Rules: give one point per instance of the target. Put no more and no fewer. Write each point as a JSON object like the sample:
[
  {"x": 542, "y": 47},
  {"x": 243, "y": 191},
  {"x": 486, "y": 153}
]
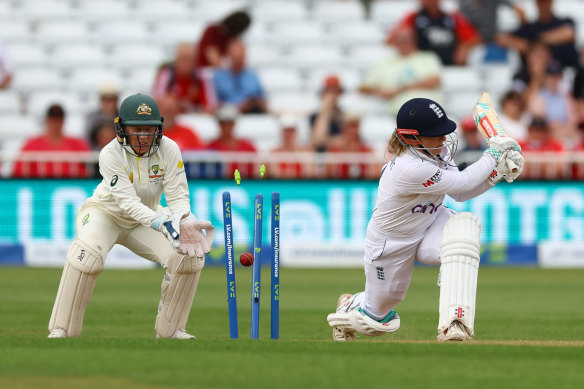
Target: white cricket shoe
[
  {"x": 343, "y": 334},
  {"x": 351, "y": 318},
  {"x": 455, "y": 332},
  {"x": 57, "y": 333},
  {"x": 179, "y": 334}
]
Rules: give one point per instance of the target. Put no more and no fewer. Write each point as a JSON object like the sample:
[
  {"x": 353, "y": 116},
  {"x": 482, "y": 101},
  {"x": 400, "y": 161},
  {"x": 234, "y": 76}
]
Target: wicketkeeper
[
  {"x": 137, "y": 167},
  {"x": 410, "y": 223}
]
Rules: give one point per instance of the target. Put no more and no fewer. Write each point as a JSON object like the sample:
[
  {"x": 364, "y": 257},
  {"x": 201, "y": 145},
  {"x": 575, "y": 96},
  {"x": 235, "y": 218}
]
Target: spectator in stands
[
  {"x": 450, "y": 35},
  {"x": 411, "y": 73},
  {"x": 540, "y": 139},
  {"x": 5, "y": 69},
  {"x": 53, "y": 140},
  {"x": 529, "y": 79},
  {"x": 556, "y": 32},
  {"x": 578, "y": 90},
  {"x": 228, "y": 142},
  {"x": 185, "y": 137},
  {"x": 578, "y": 164},
  {"x": 99, "y": 137},
  {"x": 295, "y": 165},
  {"x": 483, "y": 14},
  {"x": 473, "y": 144},
  {"x": 238, "y": 85},
  {"x": 350, "y": 142},
  {"x": 212, "y": 47},
  {"x": 513, "y": 115},
  {"x": 107, "y": 111},
  {"x": 181, "y": 81},
  {"x": 102, "y": 134},
  {"x": 325, "y": 125},
  {"x": 555, "y": 103}
]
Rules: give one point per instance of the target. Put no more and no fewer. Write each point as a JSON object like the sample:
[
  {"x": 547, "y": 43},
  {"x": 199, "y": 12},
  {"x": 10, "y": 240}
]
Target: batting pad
[
  {"x": 82, "y": 267},
  {"x": 178, "y": 291},
  {"x": 460, "y": 257}
]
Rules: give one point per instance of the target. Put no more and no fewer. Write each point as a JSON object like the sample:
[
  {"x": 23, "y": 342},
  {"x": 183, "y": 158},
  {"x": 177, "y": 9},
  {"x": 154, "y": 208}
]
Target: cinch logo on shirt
[{"x": 422, "y": 208}]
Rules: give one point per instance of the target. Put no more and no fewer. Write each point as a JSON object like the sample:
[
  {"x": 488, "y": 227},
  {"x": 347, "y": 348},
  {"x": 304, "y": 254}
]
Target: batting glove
[{"x": 508, "y": 160}]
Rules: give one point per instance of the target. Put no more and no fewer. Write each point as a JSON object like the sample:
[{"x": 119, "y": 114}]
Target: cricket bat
[{"x": 487, "y": 122}]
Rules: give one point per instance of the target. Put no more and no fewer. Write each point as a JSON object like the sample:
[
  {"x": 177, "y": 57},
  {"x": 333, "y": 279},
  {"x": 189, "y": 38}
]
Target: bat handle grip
[{"x": 512, "y": 166}]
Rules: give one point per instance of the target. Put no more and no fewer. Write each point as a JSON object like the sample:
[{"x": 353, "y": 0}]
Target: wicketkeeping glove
[
  {"x": 169, "y": 224},
  {"x": 193, "y": 241}
]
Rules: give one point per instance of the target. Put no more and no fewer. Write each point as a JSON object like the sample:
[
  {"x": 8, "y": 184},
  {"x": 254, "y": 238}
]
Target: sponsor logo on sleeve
[
  {"x": 436, "y": 178},
  {"x": 114, "y": 180}
]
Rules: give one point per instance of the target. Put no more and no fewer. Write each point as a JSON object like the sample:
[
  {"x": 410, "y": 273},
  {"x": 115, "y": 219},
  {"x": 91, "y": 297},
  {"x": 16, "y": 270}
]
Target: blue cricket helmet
[{"x": 423, "y": 117}]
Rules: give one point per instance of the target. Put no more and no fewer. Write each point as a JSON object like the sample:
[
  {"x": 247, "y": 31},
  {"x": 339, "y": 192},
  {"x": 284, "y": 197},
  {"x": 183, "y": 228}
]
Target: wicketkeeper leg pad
[
  {"x": 460, "y": 257},
  {"x": 82, "y": 267},
  {"x": 178, "y": 291}
]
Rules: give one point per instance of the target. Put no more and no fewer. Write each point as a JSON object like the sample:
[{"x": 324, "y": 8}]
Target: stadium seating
[
  {"x": 27, "y": 54},
  {"x": 204, "y": 125},
  {"x": 74, "y": 55},
  {"x": 58, "y": 32},
  {"x": 13, "y": 31},
  {"x": 280, "y": 79},
  {"x": 279, "y": 11},
  {"x": 376, "y": 131},
  {"x": 17, "y": 126},
  {"x": 350, "y": 78},
  {"x": 39, "y": 101},
  {"x": 87, "y": 80},
  {"x": 338, "y": 11},
  {"x": 35, "y": 79},
  {"x": 66, "y": 49},
  {"x": 9, "y": 102}
]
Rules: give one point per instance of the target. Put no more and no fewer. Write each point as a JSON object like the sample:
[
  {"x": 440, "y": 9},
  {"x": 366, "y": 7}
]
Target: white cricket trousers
[
  {"x": 101, "y": 231},
  {"x": 389, "y": 262}
]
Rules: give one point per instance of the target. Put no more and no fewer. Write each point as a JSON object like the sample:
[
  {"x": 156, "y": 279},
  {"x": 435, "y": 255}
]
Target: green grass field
[{"x": 529, "y": 334}]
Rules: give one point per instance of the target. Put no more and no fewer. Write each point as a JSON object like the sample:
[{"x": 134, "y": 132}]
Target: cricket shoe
[
  {"x": 456, "y": 331},
  {"x": 350, "y": 317},
  {"x": 179, "y": 334},
  {"x": 57, "y": 333},
  {"x": 341, "y": 334}
]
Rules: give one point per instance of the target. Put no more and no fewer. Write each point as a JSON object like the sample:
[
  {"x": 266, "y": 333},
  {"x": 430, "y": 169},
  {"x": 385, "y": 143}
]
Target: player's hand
[
  {"x": 512, "y": 159},
  {"x": 503, "y": 143},
  {"x": 169, "y": 224},
  {"x": 504, "y": 169},
  {"x": 193, "y": 241}
]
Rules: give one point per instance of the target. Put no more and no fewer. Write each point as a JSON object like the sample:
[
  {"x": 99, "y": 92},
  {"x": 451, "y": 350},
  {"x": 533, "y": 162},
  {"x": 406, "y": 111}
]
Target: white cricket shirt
[{"x": 411, "y": 189}]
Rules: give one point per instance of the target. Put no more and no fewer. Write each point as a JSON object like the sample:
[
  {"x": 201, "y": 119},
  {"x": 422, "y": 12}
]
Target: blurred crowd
[{"x": 543, "y": 107}]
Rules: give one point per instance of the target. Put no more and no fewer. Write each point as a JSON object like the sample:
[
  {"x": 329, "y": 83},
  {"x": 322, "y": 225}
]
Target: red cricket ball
[{"x": 246, "y": 259}]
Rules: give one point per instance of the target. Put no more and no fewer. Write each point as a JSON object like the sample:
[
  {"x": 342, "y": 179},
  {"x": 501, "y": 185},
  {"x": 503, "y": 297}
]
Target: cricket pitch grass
[{"x": 529, "y": 334}]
